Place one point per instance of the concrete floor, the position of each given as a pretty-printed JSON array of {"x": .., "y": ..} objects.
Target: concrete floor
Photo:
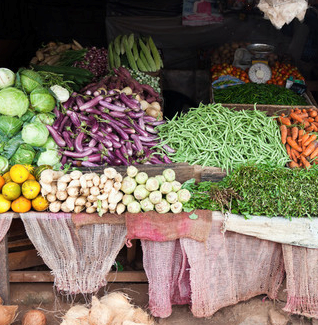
[{"x": 255, "y": 311}]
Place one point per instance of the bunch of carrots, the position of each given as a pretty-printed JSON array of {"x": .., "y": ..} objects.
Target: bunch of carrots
[{"x": 298, "y": 135}]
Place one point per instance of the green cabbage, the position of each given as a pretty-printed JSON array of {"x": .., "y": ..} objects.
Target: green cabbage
[
  {"x": 4, "y": 164},
  {"x": 49, "y": 157},
  {"x": 30, "y": 80},
  {"x": 41, "y": 100},
  {"x": 24, "y": 155},
  {"x": 35, "y": 134},
  {"x": 7, "y": 78},
  {"x": 13, "y": 102},
  {"x": 44, "y": 118},
  {"x": 9, "y": 125},
  {"x": 27, "y": 117},
  {"x": 50, "y": 144}
]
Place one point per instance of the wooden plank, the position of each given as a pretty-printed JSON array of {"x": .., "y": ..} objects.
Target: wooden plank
[
  {"x": 23, "y": 260},
  {"x": 212, "y": 174},
  {"x": 46, "y": 276},
  {"x": 4, "y": 271},
  {"x": 20, "y": 243}
]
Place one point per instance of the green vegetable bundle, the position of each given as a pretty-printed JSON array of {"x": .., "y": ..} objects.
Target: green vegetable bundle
[
  {"x": 137, "y": 53},
  {"x": 252, "y": 93},
  {"x": 275, "y": 191},
  {"x": 212, "y": 135}
]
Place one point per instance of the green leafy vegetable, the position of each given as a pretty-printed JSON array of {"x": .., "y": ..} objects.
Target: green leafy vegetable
[
  {"x": 10, "y": 126},
  {"x": 44, "y": 118},
  {"x": 13, "y": 102},
  {"x": 7, "y": 78},
  {"x": 4, "y": 164},
  {"x": 41, "y": 100},
  {"x": 48, "y": 157},
  {"x": 35, "y": 134},
  {"x": 24, "y": 155},
  {"x": 30, "y": 80}
]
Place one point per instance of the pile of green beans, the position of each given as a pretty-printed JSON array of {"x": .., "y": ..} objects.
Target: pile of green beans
[
  {"x": 252, "y": 93},
  {"x": 212, "y": 135}
]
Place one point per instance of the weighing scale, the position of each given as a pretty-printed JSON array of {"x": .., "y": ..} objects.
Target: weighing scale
[{"x": 260, "y": 72}]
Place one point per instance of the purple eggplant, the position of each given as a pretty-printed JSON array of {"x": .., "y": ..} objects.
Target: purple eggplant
[
  {"x": 56, "y": 112},
  {"x": 74, "y": 118},
  {"x": 78, "y": 142},
  {"x": 169, "y": 149},
  {"x": 82, "y": 154},
  {"x": 113, "y": 136},
  {"x": 166, "y": 159},
  {"x": 124, "y": 151},
  {"x": 154, "y": 160},
  {"x": 112, "y": 107},
  {"x": 88, "y": 164},
  {"x": 135, "y": 115},
  {"x": 137, "y": 143},
  {"x": 155, "y": 123},
  {"x": 95, "y": 126},
  {"x": 129, "y": 148},
  {"x": 148, "y": 139},
  {"x": 139, "y": 129},
  {"x": 131, "y": 104},
  {"x": 79, "y": 101},
  {"x": 83, "y": 117},
  {"x": 91, "y": 103},
  {"x": 92, "y": 143},
  {"x": 129, "y": 130},
  {"x": 141, "y": 123},
  {"x": 58, "y": 121},
  {"x": 68, "y": 140},
  {"x": 64, "y": 121},
  {"x": 63, "y": 160},
  {"x": 69, "y": 103},
  {"x": 117, "y": 114},
  {"x": 150, "y": 144},
  {"x": 150, "y": 129},
  {"x": 93, "y": 111},
  {"x": 120, "y": 156},
  {"x": 56, "y": 137}
]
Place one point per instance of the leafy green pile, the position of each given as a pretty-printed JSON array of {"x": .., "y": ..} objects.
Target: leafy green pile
[
  {"x": 259, "y": 190},
  {"x": 213, "y": 135},
  {"x": 279, "y": 191},
  {"x": 252, "y": 93}
]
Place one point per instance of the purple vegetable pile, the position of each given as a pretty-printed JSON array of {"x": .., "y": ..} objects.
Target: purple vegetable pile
[
  {"x": 122, "y": 79},
  {"x": 95, "y": 60},
  {"x": 106, "y": 129}
]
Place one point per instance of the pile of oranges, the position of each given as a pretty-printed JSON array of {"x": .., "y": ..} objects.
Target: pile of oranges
[{"x": 20, "y": 191}]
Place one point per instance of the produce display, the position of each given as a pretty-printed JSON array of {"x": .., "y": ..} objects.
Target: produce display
[
  {"x": 282, "y": 71},
  {"x": 123, "y": 80},
  {"x": 252, "y": 93},
  {"x": 212, "y": 135},
  {"x": 225, "y": 69},
  {"x": 110, "y": 192},
  {"x": 225, "y": 52},
  {"x": 26, "y": 108},
  {"x": 298, "y": 135},
  {"x": 104, "y": 129},
  {"x": 20, "y": 191},
  {"x": 137, "y": 53}
]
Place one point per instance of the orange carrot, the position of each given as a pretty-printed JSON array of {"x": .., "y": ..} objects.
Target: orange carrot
[
  {"x": 316, "y": 119},
  {"x": 285, "y": 120},
  {"x": 294, "y": 132},
  {"x": 314, "y": 127},
  {"x": 293, "y": 144},
  {"x": 294, "y": 153},
  {"x": 293, "y": 164},
  {"x": 306, "y": 123},
  {"x": 304, "y": 110},
  {"x": 314, "y": 153},
  {"x": 283, "y": 131},
  {"x": 311, "y": 147},
  {"x": 300, "y": 134},
  {"x": 303, "y": 115},
  {"x": 309, "y": 129},
  {"x": 296, "y": 117},
  {"x": 310, "y": 139},
  {"x": 310, "y": 119},
  {"x": 288, "y": 149},
  {"x": 305, "y": 137},
  {"x": 305, "y": 162}
]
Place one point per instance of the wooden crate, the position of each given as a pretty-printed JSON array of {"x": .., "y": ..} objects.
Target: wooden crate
[{"x": 270, "y": 109}]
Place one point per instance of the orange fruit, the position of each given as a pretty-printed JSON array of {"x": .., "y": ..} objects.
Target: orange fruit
[
  {"x": 11, "y": 191},
  {"x": 7, "y": 177},
  {"x": 21, "y": 205},
  {"x": 19, "y": 173},
  {"x": 31, "y": 189},
  {"x": 2, "y": 182},
  {"x": 5, "y": 204},
  {"x": 40, "y": 203},
  {"x": 31, "y": 177}
]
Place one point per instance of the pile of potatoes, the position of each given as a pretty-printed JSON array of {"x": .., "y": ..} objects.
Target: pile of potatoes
[
  {"x": 225, "y": 53},
  {"x": 77, "y": 192}
]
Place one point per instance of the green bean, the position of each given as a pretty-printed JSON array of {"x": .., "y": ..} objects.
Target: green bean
[{"x": 212, "y": 135}]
